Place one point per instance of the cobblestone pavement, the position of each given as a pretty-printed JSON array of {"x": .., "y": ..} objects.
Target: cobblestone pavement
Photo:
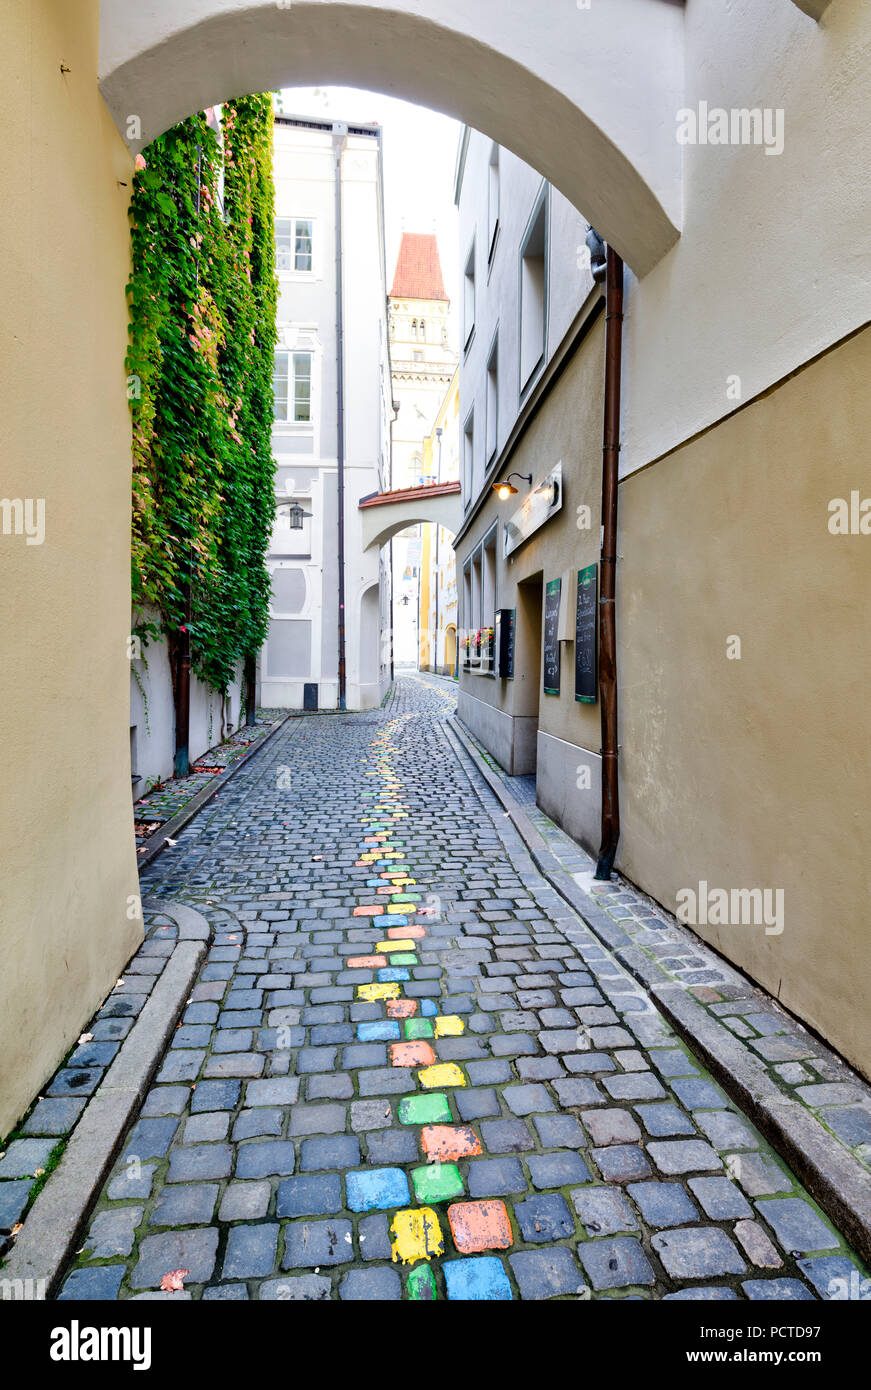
[
  {"x": 798, "y": 1062},
  {"x": 408, "y": 1070}
]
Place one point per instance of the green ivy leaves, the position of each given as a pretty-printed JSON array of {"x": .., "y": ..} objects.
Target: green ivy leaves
[{"x": 202, "y": 298}]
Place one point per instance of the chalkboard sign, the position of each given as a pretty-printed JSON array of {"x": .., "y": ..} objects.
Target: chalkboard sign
[
  {"x": 551, "y": 637},
  {"x": 585, "y": 636},
  {"x": 504, "y": 638}
]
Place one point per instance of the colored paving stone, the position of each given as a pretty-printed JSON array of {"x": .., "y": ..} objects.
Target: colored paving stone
[
  {"x": 449, "y": 1142},
  {"x": 442, "y": 1074},
  {"x": 438, "y": 1182},
  {"x": 378, "y": 991},
  {"x": 411, "y": 1054},
  {"x": 421, "y": 1286},
  {"x": 416, "y": 1235},
  {"x": 477, "y": 1226},
  {"x": 477, "y": 1280},
  {"x": 381, "y": 1030},
  {"x": 402, "y": 1008},
  {"x": 418, "y": 1028},
  {"x": 423, "y": 1110},
  {"x": 449, "y": 1026},
  {"x": 376, "y": 1189},
  {"x": 303, "y": 1082}
]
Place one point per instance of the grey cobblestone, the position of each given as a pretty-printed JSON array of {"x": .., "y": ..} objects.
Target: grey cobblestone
[{"x": 587, "y": 1118}]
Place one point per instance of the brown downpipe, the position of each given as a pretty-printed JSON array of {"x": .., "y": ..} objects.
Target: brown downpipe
[{"x": 607, "y": 600}]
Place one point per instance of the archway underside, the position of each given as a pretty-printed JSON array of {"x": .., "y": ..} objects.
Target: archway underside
[{"x": 543, "y": 93}]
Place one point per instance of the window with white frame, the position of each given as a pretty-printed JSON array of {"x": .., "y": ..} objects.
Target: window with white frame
[
  {"x": 493, "y": 399},
  {"x": 292, "y": 384},
  {"x": 493, "y": 196},
  {"x": 468, "y": 458},
  {"x": 469, "y": 297},
  {"x": 294, "y": 242},
  {"x": 479, "y": 603},
  {"x": 533, "y": 293}
]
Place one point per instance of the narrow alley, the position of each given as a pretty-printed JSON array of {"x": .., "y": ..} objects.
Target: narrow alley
[{"x": 409, "y": 1070}]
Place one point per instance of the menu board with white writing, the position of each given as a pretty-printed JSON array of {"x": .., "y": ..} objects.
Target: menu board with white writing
[
  {"x": 551, "y": 637},
  {"x": 585, "y": 636}
]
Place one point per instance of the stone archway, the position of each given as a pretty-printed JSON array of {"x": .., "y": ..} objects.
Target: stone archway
[{"x": 587, "y": 95}]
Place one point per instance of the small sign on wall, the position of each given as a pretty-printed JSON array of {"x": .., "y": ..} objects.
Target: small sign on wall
[
  {"x": 586, "y": 675},
  {"x": 551, "y": 637}
]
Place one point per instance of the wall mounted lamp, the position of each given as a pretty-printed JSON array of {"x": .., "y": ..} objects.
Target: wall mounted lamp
[{"x": 504, "y": 490}]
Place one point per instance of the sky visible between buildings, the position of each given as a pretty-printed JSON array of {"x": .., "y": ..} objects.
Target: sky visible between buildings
[{"x": 420, "y": 155}]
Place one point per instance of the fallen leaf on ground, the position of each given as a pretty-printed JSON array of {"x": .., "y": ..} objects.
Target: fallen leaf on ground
[{"x": 173, "y": 1282}]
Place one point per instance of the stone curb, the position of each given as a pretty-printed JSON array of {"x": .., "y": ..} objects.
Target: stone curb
[
  {"x": 54, "y": 1222},
  {"x": 833, "y": 1177},
  {"x": 157, "y": 842},
  {"x": 192, "y": 925}
]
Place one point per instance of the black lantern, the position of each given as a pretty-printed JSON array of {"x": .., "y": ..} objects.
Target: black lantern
[{"x": 296, "y": 516}]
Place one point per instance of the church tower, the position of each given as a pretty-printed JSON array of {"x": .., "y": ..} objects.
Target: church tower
[{"x": 423, "y": 361}]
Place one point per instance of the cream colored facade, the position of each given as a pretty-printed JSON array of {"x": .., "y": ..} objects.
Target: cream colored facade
[
  {"x": 66, "y": 820},
  {"x": 742, "y": 266}
]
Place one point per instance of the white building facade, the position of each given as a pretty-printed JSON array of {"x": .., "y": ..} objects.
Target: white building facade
[{"x": 331, "y": 436}]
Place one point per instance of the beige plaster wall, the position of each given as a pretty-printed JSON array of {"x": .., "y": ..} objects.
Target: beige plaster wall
[
  {"x": 66, "y": 837},
  {"x": 754, "y": 772}
]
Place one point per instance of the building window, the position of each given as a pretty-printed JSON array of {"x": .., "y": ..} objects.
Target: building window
[
  {"x": 493, "y": 400},
  {"x": 423, "y": 330},
  {"x": 468, "y": 458},
  {"x": 414, "y": 329},
  {"x": 493, "y": 193},
  {"x": 292, "y": 383},
  {"x": 469, "y": 298},
  {"x": 533, "y": 293},
  {"x": 293, "y": 244}
]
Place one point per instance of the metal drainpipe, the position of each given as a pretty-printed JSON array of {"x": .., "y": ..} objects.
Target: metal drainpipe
[
  {"x": 340, "y": 135},
  {"x": 607, "y": 601}
]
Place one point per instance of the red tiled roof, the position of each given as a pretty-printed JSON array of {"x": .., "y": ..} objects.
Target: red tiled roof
[
  {"x": 409, "y": 494},
  {"x": 418, "y": 268}
]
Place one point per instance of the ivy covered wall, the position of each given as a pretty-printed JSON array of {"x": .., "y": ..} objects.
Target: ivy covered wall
[{"x": 202, "y": 299}]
